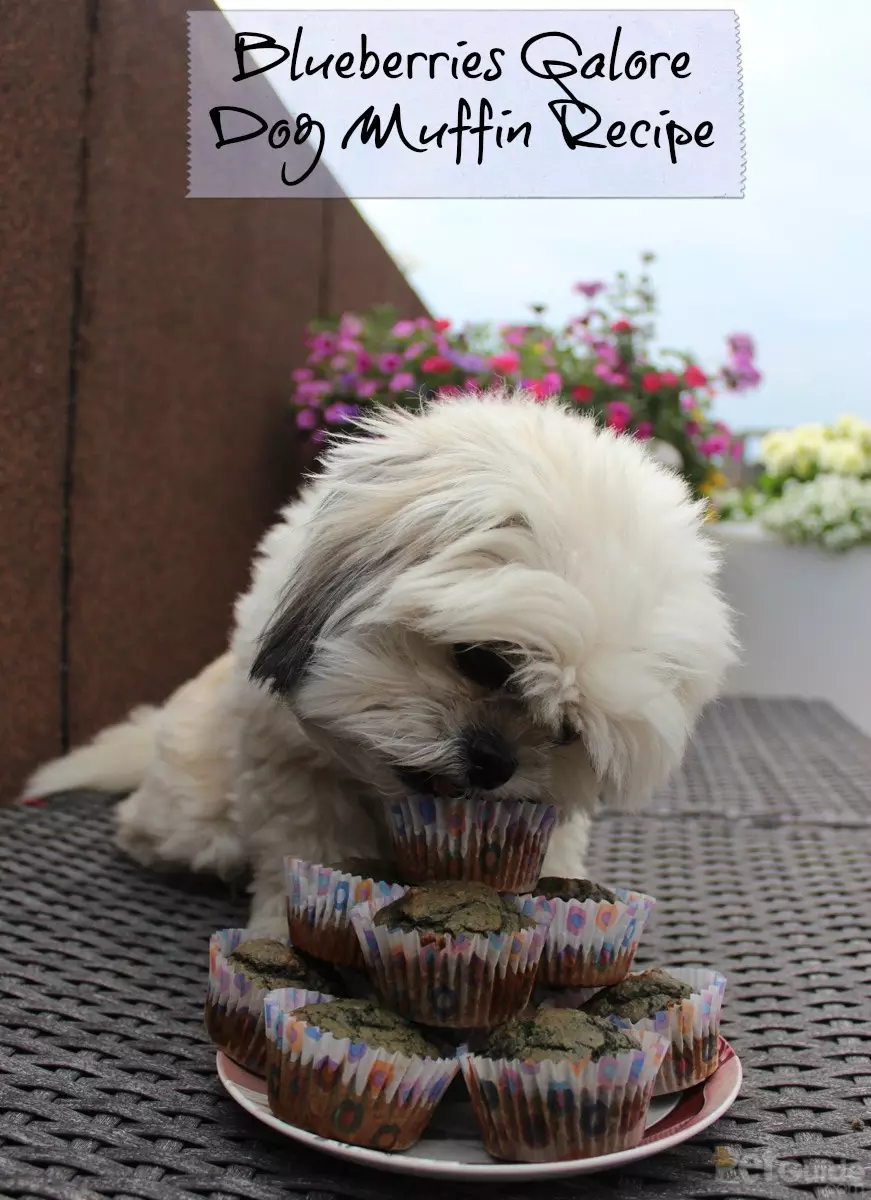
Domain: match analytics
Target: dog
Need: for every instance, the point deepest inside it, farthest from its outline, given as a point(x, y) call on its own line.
point(492, 596)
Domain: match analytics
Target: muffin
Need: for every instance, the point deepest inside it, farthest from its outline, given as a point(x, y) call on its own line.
point(451, 954)
point(352, 1071)
point(498, 842)
point(320, 898)
point(593, 931)
point(243, 967)
point(560, 1085)
point(683, 1005)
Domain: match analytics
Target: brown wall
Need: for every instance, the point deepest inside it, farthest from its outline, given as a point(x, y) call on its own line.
point(145, 370)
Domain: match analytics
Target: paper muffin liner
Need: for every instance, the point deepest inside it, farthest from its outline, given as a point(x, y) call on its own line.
point(436, 979)
point(498, 842)
point(590, 943)
point(692, 1027)
point(234, 1006)
point(346, 1090)
point(552, 1110)
point(319, 902)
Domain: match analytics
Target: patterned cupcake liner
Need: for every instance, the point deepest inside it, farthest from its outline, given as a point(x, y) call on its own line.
point(319, 902)
point(346, 1090)
point(498, 842)
point(552, 1110)
point(692, 1028)
point(462, 983)
point(234, 1006)
point(590, 943)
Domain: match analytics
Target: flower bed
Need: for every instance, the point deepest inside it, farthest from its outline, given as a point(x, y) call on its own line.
point(601, 362)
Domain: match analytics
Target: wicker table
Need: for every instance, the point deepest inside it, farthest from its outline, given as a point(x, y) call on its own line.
point(759, 855)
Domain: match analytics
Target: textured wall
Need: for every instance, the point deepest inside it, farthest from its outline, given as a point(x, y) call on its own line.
point(174, 369)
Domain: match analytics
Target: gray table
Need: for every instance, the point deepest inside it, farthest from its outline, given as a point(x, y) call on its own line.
point(759, 855)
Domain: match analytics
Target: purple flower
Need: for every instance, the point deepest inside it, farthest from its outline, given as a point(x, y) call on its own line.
point(301, 374)
point(402, 382)
point(403, 329)
point(415, 350)
point(366, 388)
point(514, 335)
point(589, 289)
point(466, 362)
point(741, 344)
point(338, 362)
point(307, 418)
point(716, 444)
point(389, 362)
point(309, 390)
point(339, 414)
point(348, 345)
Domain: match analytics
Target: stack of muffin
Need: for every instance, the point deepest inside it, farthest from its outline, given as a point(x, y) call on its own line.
point(458, 957)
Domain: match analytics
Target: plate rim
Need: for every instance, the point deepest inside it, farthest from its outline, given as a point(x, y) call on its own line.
point(433, 1168)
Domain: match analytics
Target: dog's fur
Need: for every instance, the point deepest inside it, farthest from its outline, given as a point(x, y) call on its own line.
point(489, 520)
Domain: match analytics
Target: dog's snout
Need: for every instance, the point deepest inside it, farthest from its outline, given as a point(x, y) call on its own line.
point(491, 760)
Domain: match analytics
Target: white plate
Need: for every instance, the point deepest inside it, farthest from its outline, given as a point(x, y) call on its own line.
point(451, 1147)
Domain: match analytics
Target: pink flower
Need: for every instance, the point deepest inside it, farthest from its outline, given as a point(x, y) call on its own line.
point(338, 363)
point(691, 428)
point(364, 361)
point(338, 414)
point(301, 374)
point(446, 393)
point(348, 345)
point(736, 451)
point(608, 354)
point(688, 402)
point(514, 335)
point(471, 385)
point(306, 418)
point(311, 389)
point(414, 350)
point(619, 415)
point(741, 344)
point(622, 326)
point(366, 388)
point(437, 364)
point(668, 379)
point(350, 325)
point(589, 289)
point(644, 430)
point(716, 444)
point(403, 329)
point(604, 372)
point(402, 382)
point(441, 325)
point(582, 393)
point(693, 377)
point(389, 362)
point(552, 382)
point(507, 363)
point(650, 382)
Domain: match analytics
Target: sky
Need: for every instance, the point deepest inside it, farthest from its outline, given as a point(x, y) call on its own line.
point(788, 263)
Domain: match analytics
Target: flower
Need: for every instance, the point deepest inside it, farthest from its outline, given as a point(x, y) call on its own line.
point(514, 335)
point(350, 325)
point(582, 393)
point(693, 377)
point(589, 289)
point(415, 349)
point(643, 430)
point(619, 415)
point(507, 362)
point(668, 379)
point(364, 361)
point(552, 382)
point(716, 444)
point(366, 388)
point(301, 374)
point(842, 457)
point(402, 382)
point(650, 381)
point(307, 418)
point(311, 389)
point(389, 362)
point(831, 510)
point(436, 364)
point(340, 413)
point(403, 329)
point(441, 325)
point(622, 326)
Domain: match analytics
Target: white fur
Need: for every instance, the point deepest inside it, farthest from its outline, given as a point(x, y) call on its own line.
point(494, 519)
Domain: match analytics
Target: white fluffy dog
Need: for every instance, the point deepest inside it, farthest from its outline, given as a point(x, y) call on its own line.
point(492, 596)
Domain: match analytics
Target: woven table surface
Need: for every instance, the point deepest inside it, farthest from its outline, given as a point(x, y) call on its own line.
point(759, 855)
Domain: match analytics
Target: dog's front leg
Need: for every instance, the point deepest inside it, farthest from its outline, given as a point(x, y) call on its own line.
point(567, 853)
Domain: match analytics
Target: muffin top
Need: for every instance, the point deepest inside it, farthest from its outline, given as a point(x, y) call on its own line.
point(451, 907)
point(369, 868)
point(554, 887)
point(270, 963)
point(639, 996)
point(558, 1033)
point(363, 1021)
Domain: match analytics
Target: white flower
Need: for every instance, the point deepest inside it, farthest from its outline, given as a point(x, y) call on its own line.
point(833, 510)
point(843, 457)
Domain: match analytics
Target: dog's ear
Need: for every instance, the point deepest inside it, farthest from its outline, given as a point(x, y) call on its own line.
point(319, 590)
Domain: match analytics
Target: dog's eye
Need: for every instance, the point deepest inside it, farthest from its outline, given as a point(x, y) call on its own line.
point(484, 665)
point(567, 734)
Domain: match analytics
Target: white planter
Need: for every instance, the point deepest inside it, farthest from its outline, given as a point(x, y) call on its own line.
point(803, 620)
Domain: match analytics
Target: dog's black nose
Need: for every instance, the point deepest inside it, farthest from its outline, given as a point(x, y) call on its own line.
point(491, 761)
